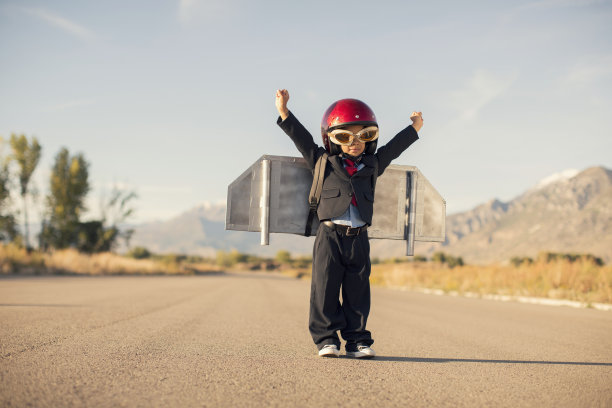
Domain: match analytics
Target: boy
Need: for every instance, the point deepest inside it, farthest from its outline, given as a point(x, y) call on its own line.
point(341, 253)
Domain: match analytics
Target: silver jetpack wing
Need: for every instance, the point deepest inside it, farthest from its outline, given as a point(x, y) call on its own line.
point(271, 196)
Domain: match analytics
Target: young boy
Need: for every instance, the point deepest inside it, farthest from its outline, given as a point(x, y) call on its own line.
point(341, 253)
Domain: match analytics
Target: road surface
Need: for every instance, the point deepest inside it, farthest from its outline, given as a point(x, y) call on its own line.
point(242, 340)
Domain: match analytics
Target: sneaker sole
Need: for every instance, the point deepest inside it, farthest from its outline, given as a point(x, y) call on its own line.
point(330, 355)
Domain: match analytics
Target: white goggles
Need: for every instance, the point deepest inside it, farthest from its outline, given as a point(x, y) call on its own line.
point(346, 137)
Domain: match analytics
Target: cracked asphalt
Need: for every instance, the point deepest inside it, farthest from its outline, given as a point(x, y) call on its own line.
point(242, 340)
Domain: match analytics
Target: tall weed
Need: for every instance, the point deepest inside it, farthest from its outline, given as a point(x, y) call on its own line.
point(580, 280)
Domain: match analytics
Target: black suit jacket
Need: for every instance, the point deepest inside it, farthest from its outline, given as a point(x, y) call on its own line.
point(338, 186)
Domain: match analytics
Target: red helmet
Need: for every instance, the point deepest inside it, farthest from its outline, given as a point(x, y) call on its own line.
point(347, 112)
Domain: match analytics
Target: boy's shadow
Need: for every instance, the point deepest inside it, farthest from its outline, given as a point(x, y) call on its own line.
point(476, 360)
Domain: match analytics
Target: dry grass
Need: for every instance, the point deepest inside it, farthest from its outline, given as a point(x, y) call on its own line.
point(581, 281)
point(13, 258)
point(70, 261)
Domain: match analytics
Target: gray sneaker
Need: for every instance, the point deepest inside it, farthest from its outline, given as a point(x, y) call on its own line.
point(329, 350)
point(362, 352)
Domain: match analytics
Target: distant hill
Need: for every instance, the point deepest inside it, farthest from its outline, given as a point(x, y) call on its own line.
point(201, 231)
point(568, 212)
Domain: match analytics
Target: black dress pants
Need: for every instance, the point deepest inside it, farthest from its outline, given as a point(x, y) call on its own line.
point(340, 263)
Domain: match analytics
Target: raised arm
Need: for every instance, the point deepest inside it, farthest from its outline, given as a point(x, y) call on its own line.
point(296, 131)
point(396, 146)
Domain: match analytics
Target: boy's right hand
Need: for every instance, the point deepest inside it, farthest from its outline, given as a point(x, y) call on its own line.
point(282, 97)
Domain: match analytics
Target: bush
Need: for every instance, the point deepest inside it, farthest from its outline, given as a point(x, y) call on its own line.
point(283, 257)
point(226, 259)
point(397, 260)
point(549, 257)
point(198, 259)
point(139, 253)
point(303, 262)
point(171, 259)
point(439, 257)
point(451, 261)
point(517, 261)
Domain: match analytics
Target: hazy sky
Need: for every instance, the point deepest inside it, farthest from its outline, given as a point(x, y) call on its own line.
point(176, 98)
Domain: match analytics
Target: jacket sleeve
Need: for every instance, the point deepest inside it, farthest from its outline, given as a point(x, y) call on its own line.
point(302, 139)
point(395, 147)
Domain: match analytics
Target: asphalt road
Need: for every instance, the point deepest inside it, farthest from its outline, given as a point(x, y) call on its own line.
point(242, 340)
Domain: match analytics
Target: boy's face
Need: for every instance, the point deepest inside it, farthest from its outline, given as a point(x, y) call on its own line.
point(357, 147)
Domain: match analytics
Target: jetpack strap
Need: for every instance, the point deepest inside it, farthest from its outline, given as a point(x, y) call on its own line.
point(314, 197)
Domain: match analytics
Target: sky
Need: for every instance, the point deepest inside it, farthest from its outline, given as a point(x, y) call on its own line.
point(175, 99)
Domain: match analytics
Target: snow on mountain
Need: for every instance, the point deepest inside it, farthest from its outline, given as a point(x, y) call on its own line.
point(556, 177)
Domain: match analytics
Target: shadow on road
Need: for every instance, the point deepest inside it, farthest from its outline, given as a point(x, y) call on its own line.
point(475, 360)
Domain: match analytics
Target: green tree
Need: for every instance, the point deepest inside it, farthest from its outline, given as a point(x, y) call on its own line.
point(27, 156)
point(8, 229)
point(69, 186)
point(94, 236)
point(115, 212)
point(102, 235)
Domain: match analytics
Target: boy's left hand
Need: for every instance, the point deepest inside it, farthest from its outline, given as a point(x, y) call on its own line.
point(417, 120)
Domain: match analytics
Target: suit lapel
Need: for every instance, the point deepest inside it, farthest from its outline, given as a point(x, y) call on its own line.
point(367, 171)
point(336, 162)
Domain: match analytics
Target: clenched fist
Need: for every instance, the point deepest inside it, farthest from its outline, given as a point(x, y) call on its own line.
point(417, 120)
point(282, 97)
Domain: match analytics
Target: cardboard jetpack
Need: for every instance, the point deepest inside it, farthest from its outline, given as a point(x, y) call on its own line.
point(272, 196)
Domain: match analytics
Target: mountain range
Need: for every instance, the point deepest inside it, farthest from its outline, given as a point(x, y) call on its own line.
point(567, 212)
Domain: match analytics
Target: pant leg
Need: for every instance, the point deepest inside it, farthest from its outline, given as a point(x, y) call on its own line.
point(356, 291)
point(326, 316)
